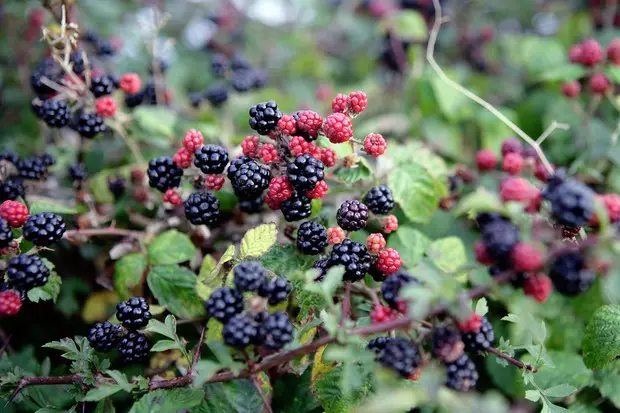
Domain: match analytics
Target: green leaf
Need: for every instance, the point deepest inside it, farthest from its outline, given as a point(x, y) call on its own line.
point(128, 273)
point(568, 368)
point(410, 25)
point(561, 390)
point(416, 191)
point(49, 291)
point(101, 392)
point(237, 396)
point(168, 401)
point(171, 247)
point(329, 391)
point(357, 172)
point(564, 73)
point(448, 254)
point(613, 73)
point(121, 380)
point(478, 201)
point(258, 241)
point(608, 381)
point(175, 287)
point(549, 51)
point(205, 369)
point(157, 120)
point(481, 307)
point(284, 260)
point(40, 204)
point(411, 243)
point(601, 342)
point(443, 136)
point(165, 345)
point(208, 279)
point(156, 326)
point(532, 395)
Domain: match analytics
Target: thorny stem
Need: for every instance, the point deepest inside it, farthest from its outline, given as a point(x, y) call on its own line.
point(439, 71)
point(511, 360)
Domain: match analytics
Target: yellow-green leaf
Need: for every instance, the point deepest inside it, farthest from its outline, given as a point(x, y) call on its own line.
point(448, 254)
point(258, 241)
point(128, 273)
point(171, 247)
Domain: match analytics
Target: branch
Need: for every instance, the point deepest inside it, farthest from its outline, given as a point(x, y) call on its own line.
point(512, 360)
point(554, 125)
point(102, 232)
point(437, 69)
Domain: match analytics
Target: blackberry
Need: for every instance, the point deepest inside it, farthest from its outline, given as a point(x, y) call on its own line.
point(219, 65)
point(32, 168)
point(211, 159)
point(77, 59)
point(378, 344)
point(461, 374)
point(44, 229)
point(392, 285)
point(56, 113)
point(133, 313)
point(48, 159)
point(305, 172)
point(134, 347)
point(447, 344)
point(249, 179)
point(150, 93)
point(240, 331)
point(264, 117)
point(131, 101)
point(104, 48)
point(374, 272)
point(275, 290)
point(251, 206)
point(89, 124)
point(9, 156)
point(202, 208)
point(238, 62)
point(216, 94)
point(322, 266)
point(278, 331)
point(26, 272)
point(164, 174)
point(11, 189)
point(38, 87)
point(243, 81)
point(570, 275)
point(379, 200)
point(572, 202)
point(485, 218)
point(481, 340)
point(259, 79)
point(103, 336)
point(249, 276)
point(499, 238)
point(194, 99)
point(101, 86)
point(352, 215)
point(517, 279)
point(224, 303)
point(311, 238)
point(77, 172)
point(401, 356)
point(6, 234)
point(117, 186)
point(296, 208)
point(353, 256)
point(235, 164)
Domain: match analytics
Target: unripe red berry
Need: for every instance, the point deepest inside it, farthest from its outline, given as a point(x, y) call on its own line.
point(512, 163)
point(172, 197)
point(511, 145)
point(375, 145)
point(340, 103)
point(106, 106)
point(309, 122)
point(183, 158)
point(516, 188)
point(15, 213)
point(571, 89)
point(193, 140)
point(487, 33)
point(268, 153)
point(541, 173)
point(280, 189)
point(338, 128)
point(471, 325)
point(486, 160)
point(599, 83)
point(357, 101)
point(574, 53)
point(390, 224)
point(535, 202)
point(287, 125)
point(328, 157)
point(538, 286)
point(319, 191)
point(299, 146)
point(375, 243)
point(613, 51)
point(10, 303)
point(481, 254)
point(382, 314)
point(527, 257)
point(591, 52)
point(249, 146)
point(214, 182)
point(335, 235)
point(389, 261)
point(130, 83)
point(612, 205)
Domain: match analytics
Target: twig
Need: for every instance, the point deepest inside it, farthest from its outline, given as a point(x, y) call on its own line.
point(367, 291)
point(198, 349)
point(437, 69)
point(260, 391)
point(102, 232)
point(512, 360)
point(554, 125)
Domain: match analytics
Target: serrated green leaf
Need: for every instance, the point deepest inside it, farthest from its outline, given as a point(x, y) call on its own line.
point(128, 273)
point(561, 390)
point(168, 401)
point(208, 279)
point(356, 173)
point(237, 396)
point(101, 392)
point(171, 247)
point(175, 287)
point(165, 345)
point(411, 243)
point(284, 260)
point(258, 241)
point(601, 342)
point(40, 204)
point(608, 381)
point(416, 191)
point(157, 120)
point(49, 291)
point(156, 326)
point(564, 73)
point(568, 368)
point(205, 369)
point(481, 307)
point(329, 391)
point(410, 25)
point(121, 379)
point(448, 254)
point(532, 395)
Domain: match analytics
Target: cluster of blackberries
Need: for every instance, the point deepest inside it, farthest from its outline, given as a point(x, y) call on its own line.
point(19, 170)
point(261, 328)
point(131, 343)
point(572, 202)
point(101, 47)
point(398, 354)
point(25, 272)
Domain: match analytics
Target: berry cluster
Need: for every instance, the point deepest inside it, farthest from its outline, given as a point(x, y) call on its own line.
point(590, 54)
point(254, 326)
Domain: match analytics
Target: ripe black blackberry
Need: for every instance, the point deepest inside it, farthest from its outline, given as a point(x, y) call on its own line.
point(296, 208)
point(379, 200)
point(447, 344)
point(150, 93)
point(55, 112)
point(89, 124)
point(195, 98)
point(133, 313)
point(374, 272)
point(243, 81)
point(461, 374)
point(352, 215)
point(211, 159)
point(104, 336)
point(353, 256)
point(499, 238)
point(77, 172)
point(392, 285)
point(248, 179)
point(485, 218)
point(278, 331)
point(26, 272)
point(6, 234)
point(224, 303)
point(572, 202)
point(305, 172)
point(570, 275)
point(117, 186)
point(11, 189)
point(101, 86)
point(48, 159)
point(400, 355)
point(264, 117)
point(134, 347)
point(44, 229)
point(322, 266)
point(131, 101)
point(202, 208)
point(378, 344)
point(216, 94)
point(32, 168)
point(238, 62)
point(103, 48)
point(240, 331)
point(481, 340)
point(259, 79)
point(49, 70)
point(251, 206)
point(77, 60)
point(164, 174)
point(235, 164)
point(311, 238)
point(275, 290)
point(9, 156)
point(219, 65)
point(249, 276)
